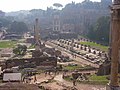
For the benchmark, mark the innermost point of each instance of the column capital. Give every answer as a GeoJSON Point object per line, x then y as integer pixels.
{"type": "Point", "coordinates": [117, 2]}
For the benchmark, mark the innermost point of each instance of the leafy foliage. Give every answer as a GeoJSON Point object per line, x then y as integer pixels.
{"type": "Point", "coordinates": [57, 5]}
{"type": "Point", "coordinates": [18, 27]}
{"type": "Point", "coordinates": [4, 22]}
{"type": "Point", "coordinates": [20, 50]}
{"type": "Point", "coordinates": [100, 30]}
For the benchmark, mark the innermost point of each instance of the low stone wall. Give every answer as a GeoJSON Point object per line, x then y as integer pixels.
{"type": "Point", "coordinates": [41, 61]}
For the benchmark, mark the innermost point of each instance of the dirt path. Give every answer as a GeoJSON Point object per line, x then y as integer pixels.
{"type": "Point", "coordinates": [62, 84]}
{"type": "Point", "coordinates": [79, 86]}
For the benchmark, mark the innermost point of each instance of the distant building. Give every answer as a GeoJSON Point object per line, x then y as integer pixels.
{"type": "Point", "coordinates": [68, 27]}
{"type": "Point", "coordinates": [56, 22]}
{"type": "Point", "coordinates": [63, 35]}
{"type": "Point", "coordinates": [13, 36]}
{"type": "Point", "coordinates": [68, 35]}
{"type": "Point", "coordinates": [30, 40]}
{"type": "Point", "coordinates": [116, 1]}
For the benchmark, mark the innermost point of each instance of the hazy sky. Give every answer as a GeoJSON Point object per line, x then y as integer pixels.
{"type": "Point", "coordinates": [15, 5]}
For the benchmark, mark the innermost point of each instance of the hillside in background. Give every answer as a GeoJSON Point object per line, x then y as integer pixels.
{"type": "Point", "coordinates": [77, 17]}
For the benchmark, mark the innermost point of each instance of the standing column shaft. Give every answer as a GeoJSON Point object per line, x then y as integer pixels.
{"type": "Point", "coordinates": [115, 45]}
{"type": "Point", "coordinates": [37, 37]}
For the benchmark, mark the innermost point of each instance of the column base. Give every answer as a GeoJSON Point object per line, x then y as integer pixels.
{"type": "Point", "coordinates": [108, 87]}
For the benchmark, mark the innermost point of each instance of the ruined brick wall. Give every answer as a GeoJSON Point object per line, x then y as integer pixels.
{"type": "Point", "coordinates": [41, 61]}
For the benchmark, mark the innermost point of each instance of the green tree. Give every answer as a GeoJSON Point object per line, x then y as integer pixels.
{"type": "Point", "coordinates": [5, 22]}
{"type": "Point", "coordinates": [20, 50]}
{"type": "Point", "coordinates": [100, 30]}
{"type": "Point", "coordinates": [18, 27]}
{"type": "Point", "coordinates": [16, 51]}
{"type": "Point", "coordinates": [57, 5]}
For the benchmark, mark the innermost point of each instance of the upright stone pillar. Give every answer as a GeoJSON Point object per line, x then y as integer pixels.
{"type": "Point", "coordinates": [36, 31]}
{"type": "Point", "coordinates": [115, 45]}
{"type": "Point", "coordinates": [37, 37]}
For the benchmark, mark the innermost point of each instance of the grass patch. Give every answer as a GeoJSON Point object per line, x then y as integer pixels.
{"type": "Point", "coordinates": [94, 80]}
{"type": "Point", "coordinates": [99, 79]}
{"type": "Point", "coordinates": [87, 67]}
{"type": "Point", "coordinates": [95, 45]}
{"type": "Point", "coordinates": [77, 67]}
{"type": "Point", "coordinates": [72, 68]}
{"type": "Point", "coordinates": [69, 78]}
{"type": "Point", "coordinates": [8, 44]}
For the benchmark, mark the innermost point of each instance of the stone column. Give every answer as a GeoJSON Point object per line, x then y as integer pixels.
{"type": "Point", "coordinates": [37, 36]}
{"type": "Point", "coordinates": [115, 45]}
